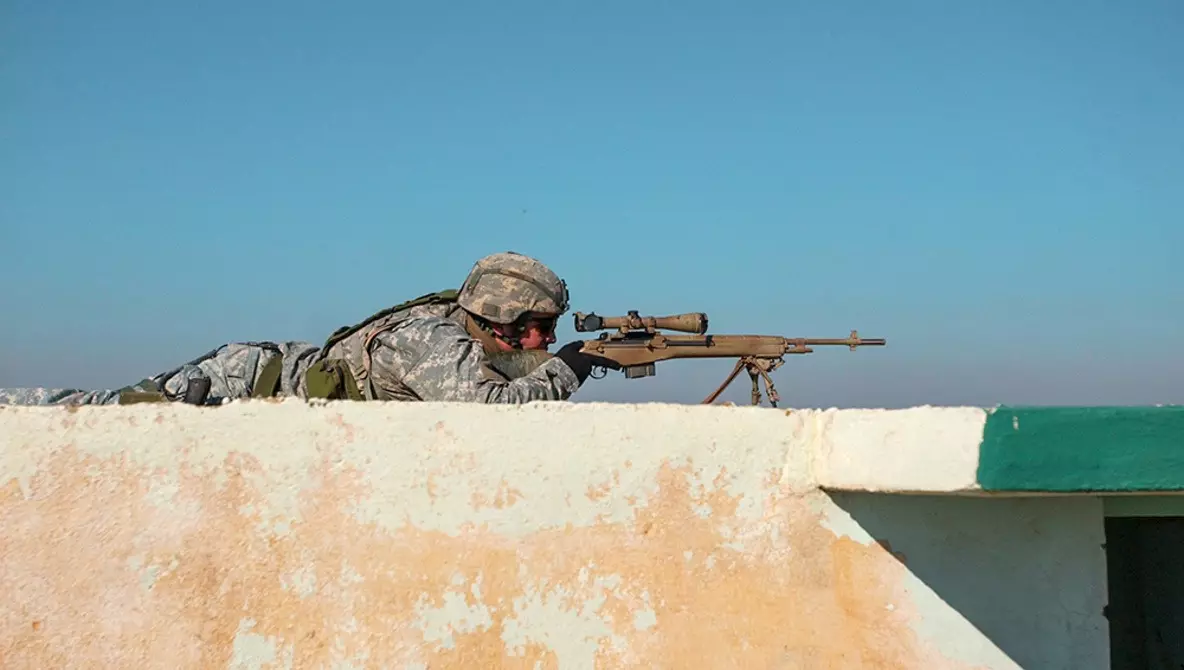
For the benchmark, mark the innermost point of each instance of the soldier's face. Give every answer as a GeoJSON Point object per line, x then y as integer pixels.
{"type": "Point", "coordinates": [538, 333]}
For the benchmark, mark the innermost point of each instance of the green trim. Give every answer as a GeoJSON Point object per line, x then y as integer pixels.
{"type": "Point", "coordinates": [1083, 449]}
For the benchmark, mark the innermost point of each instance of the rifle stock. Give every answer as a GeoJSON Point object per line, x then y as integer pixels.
{"type": "Point", "coordinates": [637, 345]}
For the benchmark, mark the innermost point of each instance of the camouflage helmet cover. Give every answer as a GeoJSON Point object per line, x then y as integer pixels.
{"type": "Point", "coordinates": [502, 287]}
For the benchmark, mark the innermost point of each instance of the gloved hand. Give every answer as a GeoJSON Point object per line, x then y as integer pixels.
{"type": "Point", "coordinates": [581, 363]}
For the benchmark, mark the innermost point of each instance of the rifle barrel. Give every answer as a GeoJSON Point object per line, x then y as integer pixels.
{"type": "Point", "coordinates": [845, 341]}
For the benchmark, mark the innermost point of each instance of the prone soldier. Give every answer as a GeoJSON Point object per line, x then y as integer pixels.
{"type": "Point", "coordinates": [485, 342]}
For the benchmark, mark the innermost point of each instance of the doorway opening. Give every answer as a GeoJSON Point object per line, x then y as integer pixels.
{"type": "Point", "coordinates": [1145, 574]}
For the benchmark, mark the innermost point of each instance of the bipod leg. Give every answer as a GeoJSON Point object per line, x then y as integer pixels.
{"type": "Point", "coordinates": [715, 394]}
{"type": "Point", "coordinates": [756, 386]}
{"type": "Point", "coordinates": [758, 368]}
{"type": "Point", "coordinates": [772, 390]}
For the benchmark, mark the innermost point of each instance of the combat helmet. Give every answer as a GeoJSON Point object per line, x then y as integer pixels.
{"type": "Point", "coordinates": [502, 287]}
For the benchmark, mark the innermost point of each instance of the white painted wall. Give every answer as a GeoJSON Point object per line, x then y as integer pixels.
{"type": "Point", "coordinates": [574, 535]}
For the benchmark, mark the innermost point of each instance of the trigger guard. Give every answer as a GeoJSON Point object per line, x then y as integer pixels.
{"type": "Point", "coordinates": [602, 375]}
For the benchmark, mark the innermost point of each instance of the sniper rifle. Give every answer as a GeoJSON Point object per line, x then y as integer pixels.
{"type": "Point", "coordinates": [638, 344]}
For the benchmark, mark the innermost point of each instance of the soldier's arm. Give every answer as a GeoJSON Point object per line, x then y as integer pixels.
{"type": "Point", "coordinates": [440, 362]}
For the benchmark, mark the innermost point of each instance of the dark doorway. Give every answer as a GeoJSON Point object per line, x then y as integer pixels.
{"type": "Point", "coordinates": [1145, 568]}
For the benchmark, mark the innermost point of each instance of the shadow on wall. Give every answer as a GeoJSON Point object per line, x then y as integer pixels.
{"type": "Point", "coordinates": [1028, 573]}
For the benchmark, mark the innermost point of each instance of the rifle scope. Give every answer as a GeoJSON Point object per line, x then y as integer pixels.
{"type": "Point", "coordinates": [691, 322]}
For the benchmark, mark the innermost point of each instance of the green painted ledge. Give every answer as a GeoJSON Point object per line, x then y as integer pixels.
{"type": "Point", "coordinates": [1083, 449]}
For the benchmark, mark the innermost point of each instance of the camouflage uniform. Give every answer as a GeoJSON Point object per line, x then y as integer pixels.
{"type": "Point", "coordinates": [232, 370]}
{"type": "Point", "coordinates": [436, 351]}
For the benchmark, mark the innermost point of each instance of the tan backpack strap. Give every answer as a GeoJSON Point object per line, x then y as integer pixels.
{"type": "Point", "coordinates": [477, 333]}
{"type": "Point", "coordinates": [367, 362]}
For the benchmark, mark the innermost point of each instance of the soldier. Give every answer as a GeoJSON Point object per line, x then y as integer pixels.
{"type": "Point", "coordinates": [486, 342]}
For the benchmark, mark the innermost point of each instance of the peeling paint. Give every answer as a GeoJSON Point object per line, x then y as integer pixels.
{"type": "Point", "coordinates": [571, 628]}
{"type": "Point", "coordinates": [456, 615]}
{"type": "Point", "coordinates": [251, 651]}
{"type": "Point", "coordinates": [372, 535]}
{"type": "Point", "coordinates": [302, 580]}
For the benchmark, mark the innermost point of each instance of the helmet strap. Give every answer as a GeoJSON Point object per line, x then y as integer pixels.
{"type": "Point", "coordinates": [511, 340]}
{"type": "Point", "coordinates": [487, 329]}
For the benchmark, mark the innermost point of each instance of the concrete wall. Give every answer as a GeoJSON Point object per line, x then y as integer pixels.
{"type": "Point", "coordinates": [261, 534]}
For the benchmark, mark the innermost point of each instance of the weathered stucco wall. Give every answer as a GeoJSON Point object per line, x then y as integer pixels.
{"type": "Point", "coordinates": [542, 536]}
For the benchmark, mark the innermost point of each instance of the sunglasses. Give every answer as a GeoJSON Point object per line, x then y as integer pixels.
{"type": "Point", "coordinates": [545, 324]}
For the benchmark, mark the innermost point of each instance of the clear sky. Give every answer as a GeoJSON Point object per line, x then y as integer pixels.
{"type": "Point", "coordinates": [997, 187]}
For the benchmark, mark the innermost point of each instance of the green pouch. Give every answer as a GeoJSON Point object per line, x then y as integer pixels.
{"type": "Point", "coordinates": [331, 380]}
{"type": "Point", "coordinates": [131, 395]}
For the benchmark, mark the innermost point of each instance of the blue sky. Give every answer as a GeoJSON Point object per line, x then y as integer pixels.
{"type": "Point", "coordinates": [994, 187]}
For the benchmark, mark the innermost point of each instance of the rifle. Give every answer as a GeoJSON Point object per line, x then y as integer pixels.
{"type": "Point", "coordinates": [638, 345]}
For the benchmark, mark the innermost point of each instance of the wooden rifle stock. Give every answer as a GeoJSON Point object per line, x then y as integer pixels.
{"type": "Point", "coordinates": [637, 345]}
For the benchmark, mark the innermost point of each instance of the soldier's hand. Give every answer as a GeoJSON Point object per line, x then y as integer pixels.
{"type": "Point", "coordinates": [581, 363]}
